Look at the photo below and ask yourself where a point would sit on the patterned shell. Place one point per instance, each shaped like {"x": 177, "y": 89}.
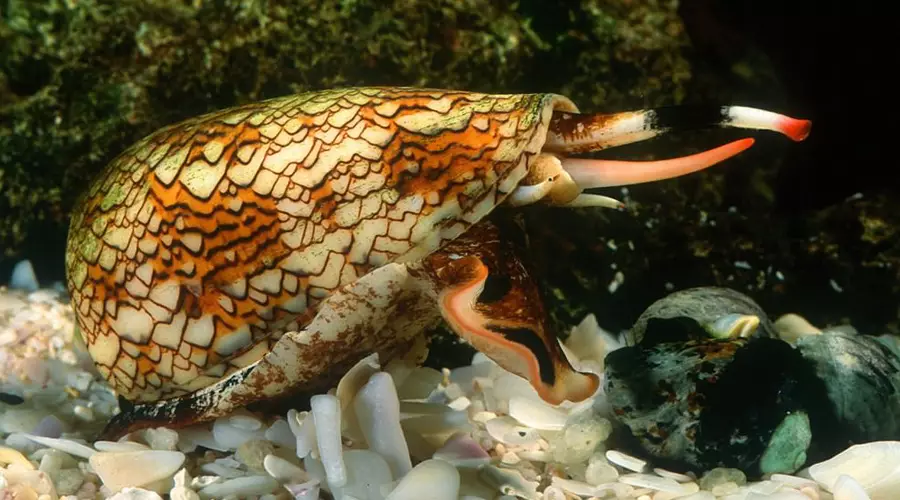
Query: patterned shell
{"x": 200, "y": 245}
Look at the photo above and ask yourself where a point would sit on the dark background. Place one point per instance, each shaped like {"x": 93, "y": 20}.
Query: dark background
{"x": 837, "y": 62}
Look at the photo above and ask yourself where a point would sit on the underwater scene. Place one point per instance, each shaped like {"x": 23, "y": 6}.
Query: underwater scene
{"x": 449, "y": 250}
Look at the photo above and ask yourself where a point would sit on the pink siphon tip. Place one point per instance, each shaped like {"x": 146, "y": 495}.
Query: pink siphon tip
{"x": 796, "y": 130}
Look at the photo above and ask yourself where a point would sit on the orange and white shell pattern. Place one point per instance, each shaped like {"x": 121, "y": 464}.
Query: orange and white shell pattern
{"x": 199, "y": 246}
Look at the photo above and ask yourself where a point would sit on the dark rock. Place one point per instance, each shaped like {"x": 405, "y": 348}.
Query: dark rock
{"x": 705, "y": 404}
{"x": 862, "y": 377}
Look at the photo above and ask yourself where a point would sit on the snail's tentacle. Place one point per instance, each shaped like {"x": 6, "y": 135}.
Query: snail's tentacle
{"x": 590, "y": 173}
{"x": 586, "y": 200}
{"x": 578, "y": 133}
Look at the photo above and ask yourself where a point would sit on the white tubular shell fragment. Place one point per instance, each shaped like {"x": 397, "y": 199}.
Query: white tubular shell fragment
{"x": 432, "y": 479}
{"x": 378, "y": 412}
{"x": 304, "y": 428}
{"x": 326, "y": 411}
{"x": 66, "y": 445}
{"x": 626, "y": 461}
{"x": 351, "y": 383}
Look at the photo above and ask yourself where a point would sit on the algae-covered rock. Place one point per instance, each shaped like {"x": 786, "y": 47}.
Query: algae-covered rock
{"x": 693, "y": 399}
{"x": 80, "y": 81}
{"x": 710, "y": 403}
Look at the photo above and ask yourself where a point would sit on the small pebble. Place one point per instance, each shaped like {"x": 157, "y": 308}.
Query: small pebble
{"x": 581, "y": 436}
{"x": 599, "y": 471}
{"x": 161, "y": 438}
{"x": 68, "y": 481}
{"x": 23, "y": 277}
{"x": 721, "y": 475}
{"x": 66, "y": 445}
{"x": 726, "y": 488}
{"x": 50, "y": 426}
{"x": 252, "y": 453}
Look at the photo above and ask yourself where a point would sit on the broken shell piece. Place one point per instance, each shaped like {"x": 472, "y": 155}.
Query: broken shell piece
{"x": 847, "y": 488}
{"x": 161, "y": 438}
{"x": 626, "y": 461}
{"x": 536, "y": 414}
{"x": 284, "y": 471}
{"x": 463, "y": 451}
{"x": 378, "y": 412}
{"x": 508, "y": 431}
{"x": 135, "y": 468}
{"x": 303, "y": 426}
{"x": 304, "y": 491}
{"x": 198, "y": 435}
{"x": 422, "y": 408}
{"x": 509, "y": 482}
{"x": 876, "y": 466}
{"x": 793, "y": 481}
{"x": 465, "y": 376}
{"x": 589, "y": 342}
{"x": 231, "y": 436}
{"x": 354, "y": 380}
{"x": 792, "y": 327}
{"x": 619, "y": 490}
{"x": 653, "y": 482}
{"x": 119, "y": 446}
{"x": 280, "y": 433}
{"x": 599, "y": 471}
{"x": 576, "y": 443}
{"x": 439, "y": 423}
{"x": 241, "y": 487}
{"x": 243, "y": 419}
{"x": 574, "y": 487}
{"x": 350, "y": 384}
{"x": 420, "y": 383}
{"x": 399, "y": 370}
{"x": 508, "y": 386}
{"x": 677, "y": 476}
{"x": 434, "y": 479}
{"x": 316, "y": 470}
{"x": 136, "y": 494}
